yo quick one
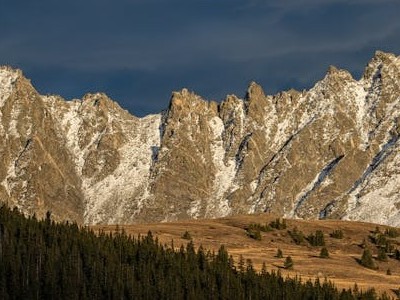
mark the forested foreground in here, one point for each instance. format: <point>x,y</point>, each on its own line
<point>47,260</point>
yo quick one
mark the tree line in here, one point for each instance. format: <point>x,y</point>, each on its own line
<point>41,259</point>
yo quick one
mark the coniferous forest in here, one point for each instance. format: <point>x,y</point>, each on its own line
<point>48,260</point>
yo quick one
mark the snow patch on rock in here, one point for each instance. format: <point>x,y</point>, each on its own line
<point>377,199</point>
<point>8,77</point>
<point>131,177</point>
<point>225,170</point>
<point>379,205</point>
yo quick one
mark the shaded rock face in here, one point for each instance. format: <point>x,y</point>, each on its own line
<point>330,152</point>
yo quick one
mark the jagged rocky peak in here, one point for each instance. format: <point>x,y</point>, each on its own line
<point>185,100</point>
<point>338,74</point>
<point>384,56</point>
<point>96,99</point>
<point>185,104</point>
<point>102,102</point>
<point>8,75</point>
<point>329,152</point>
<point>8,80</point>
<point>381,62</point>
<point>254,91</point>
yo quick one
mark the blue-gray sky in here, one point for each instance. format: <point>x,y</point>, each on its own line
<point>139,51</point>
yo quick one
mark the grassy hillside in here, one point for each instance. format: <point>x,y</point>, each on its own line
<point>342,267</point>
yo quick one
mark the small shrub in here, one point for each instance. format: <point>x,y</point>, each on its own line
<point>389,248</point>
<point>324,253</point>
<point>288,263</point>
<point>382,256</point>
<point>337,234</point>
<point>381,240</point>
<point>297,236</point>
<point>278,224</point>
<point>392,232</point>
<point>279,253</point>
<point>187,236</point>
<point>254,234</point>
<point>257,226</point>
<point>316,239</point>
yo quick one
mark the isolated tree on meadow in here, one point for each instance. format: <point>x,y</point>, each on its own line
<point>288,263</point>
<point>324,253</point>
<point>279,253</point>
<point>367,260</point>
<point>316,239</point>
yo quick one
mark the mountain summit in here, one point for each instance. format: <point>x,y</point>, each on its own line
<point>330,152</point>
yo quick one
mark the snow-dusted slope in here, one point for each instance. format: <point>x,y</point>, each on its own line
<point>332,151</point>
<point>112,152</point>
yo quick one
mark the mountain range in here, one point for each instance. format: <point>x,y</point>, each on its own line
<point>332,151</point>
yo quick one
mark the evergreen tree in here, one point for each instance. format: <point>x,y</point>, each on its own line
<point>337,234</point>
<point>278,224</point>
<point>382,256</point>
<point>264,269</point>
<point>254,233</point>
<point>279,253</point>
<point>187,235</point>
<point>297,236</point>
<point>288,263</point>
<point>367,260</point>
<point>316,239</point>
<point>324,253</point>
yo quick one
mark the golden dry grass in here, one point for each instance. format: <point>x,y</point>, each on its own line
<point>342,266</point>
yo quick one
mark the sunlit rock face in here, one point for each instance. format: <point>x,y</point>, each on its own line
<point>329,152</point>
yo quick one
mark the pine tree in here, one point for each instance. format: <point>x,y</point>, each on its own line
<point>337,234</point>
<point>264,269</point>
<point>288,263</point>
<point>254,233</point>
<point>187,236</point>
<point>382,256</point>
<point>324,253</point>
<point>367,260</point>
<point>278,224</point>
<point>279,253</point>
<point>241,264</point>
<point>317,239</point>
<point>297,236</point>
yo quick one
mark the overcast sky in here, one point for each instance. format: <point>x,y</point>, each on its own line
<point>139,51</point>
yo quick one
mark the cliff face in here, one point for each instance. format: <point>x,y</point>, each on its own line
<point>35,172</point>
<point>330,152</point>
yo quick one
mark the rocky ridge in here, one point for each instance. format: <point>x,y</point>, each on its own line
<point>329,152</point>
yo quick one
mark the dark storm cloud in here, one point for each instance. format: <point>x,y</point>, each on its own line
<point>139,51</point>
